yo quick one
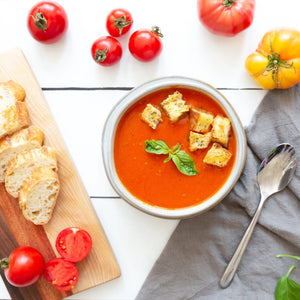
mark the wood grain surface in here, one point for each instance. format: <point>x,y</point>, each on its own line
<point>73,207</point>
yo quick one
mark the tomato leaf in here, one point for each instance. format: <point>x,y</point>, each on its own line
<point>157,147</point>
<point>287,289</point>
<point>181,159</point>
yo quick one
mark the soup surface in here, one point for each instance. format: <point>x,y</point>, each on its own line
<point>146,176</point>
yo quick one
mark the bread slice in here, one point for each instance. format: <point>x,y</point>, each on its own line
<point>22,165</point>
<point>37,197</point>
<point>13,118</point>
<point>11,91</point>
<point>13,111</point>
<point>23,140</point>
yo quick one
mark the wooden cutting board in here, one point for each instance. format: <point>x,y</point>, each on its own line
<point>73,207</point>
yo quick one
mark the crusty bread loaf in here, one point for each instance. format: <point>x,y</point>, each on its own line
<point>38,195</point>
<point>22,140</point>
<point>13,111</point>
<point>22,165</point>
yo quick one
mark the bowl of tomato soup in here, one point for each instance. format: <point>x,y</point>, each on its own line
<point>173,147</point>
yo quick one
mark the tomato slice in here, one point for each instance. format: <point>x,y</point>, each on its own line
<point>73,244</point>
<point>61,273</point>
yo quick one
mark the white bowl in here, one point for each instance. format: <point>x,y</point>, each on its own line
<point>148,88</point>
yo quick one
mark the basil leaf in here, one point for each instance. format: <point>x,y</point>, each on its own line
<point>287,289</point>
<point>157,147</point>
<point>184,163</point>
<point>176,148</point>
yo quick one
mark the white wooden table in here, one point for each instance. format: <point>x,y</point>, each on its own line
<point>81,93</point>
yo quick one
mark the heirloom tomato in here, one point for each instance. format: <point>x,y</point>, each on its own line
<point>276,61</point>
<point>118,22</point>
<point>47,22</point>
<point>73,244</point>
<point>106,51</point>
<point>145,44</point>
<point>23,267</point>
<point>226,17</point>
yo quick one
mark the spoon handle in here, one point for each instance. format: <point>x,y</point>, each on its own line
<point>235,260</point>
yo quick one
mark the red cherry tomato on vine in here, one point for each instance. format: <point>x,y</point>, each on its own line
<point>47,22</point>
<point>73,244</point>
<point>118,22</point>
<point>23,267</point>
<point>61,273</point>
<point>145,44</point>
<point>226,17</point>
<point>106,51</point>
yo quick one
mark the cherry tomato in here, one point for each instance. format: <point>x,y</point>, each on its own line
<point>73,244</point>
<point>47,22</point>
<point>118,22</point>
<point>106,51</point>
<point>23,267</point>
<point>145,45</point>
<point>226,17</point>
<point>61,273</point>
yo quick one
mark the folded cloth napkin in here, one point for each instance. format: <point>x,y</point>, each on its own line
<point>200,248</point>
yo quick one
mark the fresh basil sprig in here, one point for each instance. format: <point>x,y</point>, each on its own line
<point>287,289</point>
<point>181,159</point>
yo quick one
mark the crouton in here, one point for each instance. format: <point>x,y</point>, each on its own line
<point>175,107</point>
<point>217,156</point>
<point>199,141</point>
<point>220,130</point>
<point>200,120</point>
<point>151,115</point>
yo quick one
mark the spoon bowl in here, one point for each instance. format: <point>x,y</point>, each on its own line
<point>274,174</point>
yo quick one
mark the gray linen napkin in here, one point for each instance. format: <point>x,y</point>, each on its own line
<point>198,251</point>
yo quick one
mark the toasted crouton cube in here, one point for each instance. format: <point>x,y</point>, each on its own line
<point>175,107</point>
<point>200,120</point>
<point>199,141</point>
<point>217,156</point>
<point>151,115</point>
<point>220,130</point>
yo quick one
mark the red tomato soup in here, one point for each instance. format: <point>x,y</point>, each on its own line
<point>146,176</point>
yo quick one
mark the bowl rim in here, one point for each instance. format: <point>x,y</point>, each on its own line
<point>135,95</point>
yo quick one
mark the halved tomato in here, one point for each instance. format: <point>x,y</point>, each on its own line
<point>61,273</point>
<point>73,244</point>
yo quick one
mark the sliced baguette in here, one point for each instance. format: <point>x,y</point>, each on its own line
<point>11,91</point>
<point>38,195</point>
<point>23,140</point>
<point>22,165</point>
<point>13,117</point>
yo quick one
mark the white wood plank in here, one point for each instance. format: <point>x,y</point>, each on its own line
<point>189,49</point>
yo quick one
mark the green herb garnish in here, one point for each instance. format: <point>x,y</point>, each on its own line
<point>181,159</point>
<point>287,289</point>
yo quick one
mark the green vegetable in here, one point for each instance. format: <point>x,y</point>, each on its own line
<point>287,289</point>
<point>181,159</point>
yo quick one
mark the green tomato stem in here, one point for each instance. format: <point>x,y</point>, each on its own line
<point>40,22</point>
<point>228,3</point>
<point>121,23</point>
<point>4,262</point>
<point>100,55</point>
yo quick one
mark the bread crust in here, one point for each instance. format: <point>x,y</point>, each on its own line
<point>12,145</point>
<point>39,176</point>
<point>13,88</point>
<point>43,153</point>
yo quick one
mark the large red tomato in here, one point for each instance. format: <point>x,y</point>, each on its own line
<point>226,17</point>
<point>23,267</point>
<point>47,22</point>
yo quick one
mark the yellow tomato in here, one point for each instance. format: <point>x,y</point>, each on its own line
<point>276,61</point>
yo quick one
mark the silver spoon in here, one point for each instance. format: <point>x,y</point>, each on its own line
<point>274,174</point>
